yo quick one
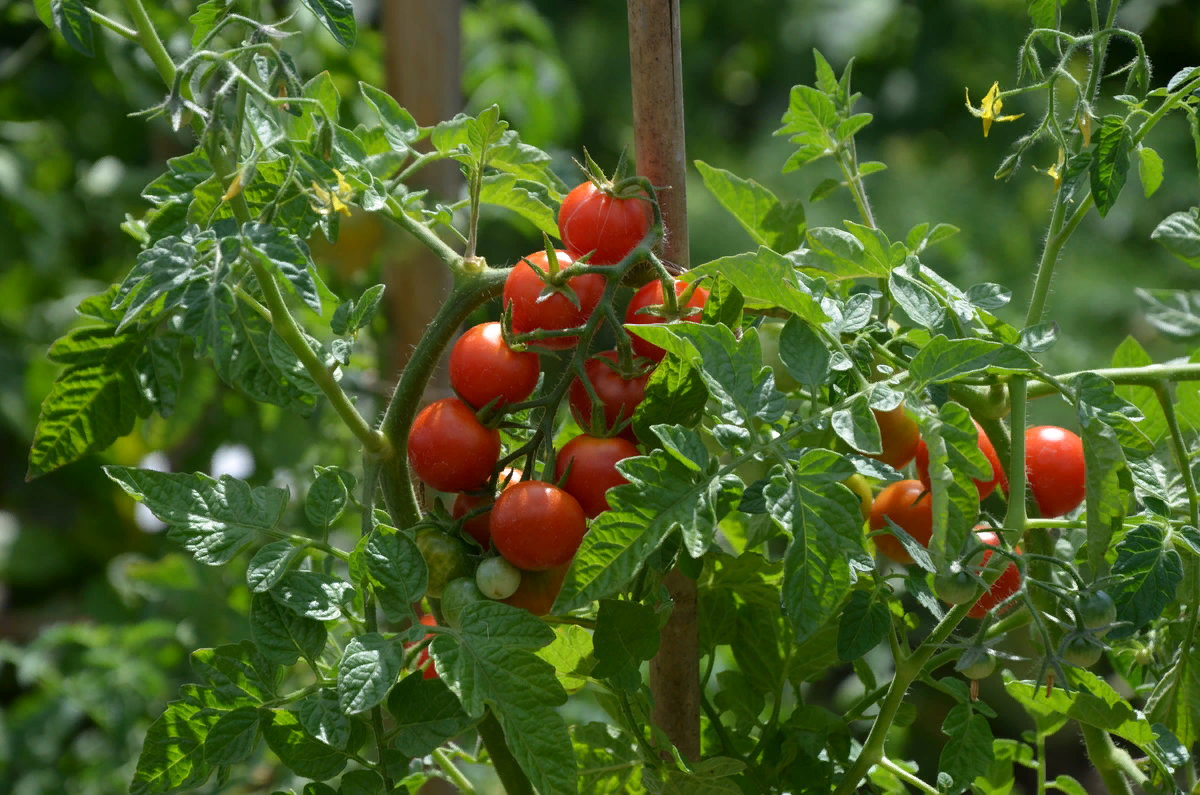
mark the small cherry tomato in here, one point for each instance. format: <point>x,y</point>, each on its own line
<point>537,526</point>
<point>449,449</point>
<point>1096,611</point>
<point>900,436</point>
<point>535,306</point>
<point>445,557</point>
<point>1081,649</point>
<point>1055,469</point>
<point>539,589</point>
<point>591,462</point>
<point>955,586</point>
<point>985,486</point>
<point>457,594</point>
<point>640,311</point>
<point>619,396</point>
<point>977,662</point>
<point>1007,584</point>
<point>908,504</point>
<point>593,220</point>
<point>477,527</point>
<point>424,662</point>
<point>497,578</point>
<point>483,368</point>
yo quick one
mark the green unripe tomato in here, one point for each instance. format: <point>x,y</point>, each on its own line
<point>457,594</point>
<point>1081,649</point>
<point>445,557</point>
<point>768,340</point>
<point>955,585</point>
<point>497,578</point>
<point>862,489</point>
<point>1096,611</point>
<point>977,662</point>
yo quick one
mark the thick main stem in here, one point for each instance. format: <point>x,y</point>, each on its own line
<point>658,130</point>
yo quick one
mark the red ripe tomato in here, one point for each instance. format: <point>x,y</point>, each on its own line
<point>483,368</point>
<point>593,470</point>
<point>478,527</point>
<point>449,449</point>
<point>423,662</point>
<point>532,311</point>
<point>899,502</point>
<point>539,589</point>
<point>900,436</point>
<point>1055,469</point>
<point>537,526</point>
<point>593,220</point>
<point>985,487</point>
<point>652,295</point>
<point>1007,584</point>
<point>619,396</point>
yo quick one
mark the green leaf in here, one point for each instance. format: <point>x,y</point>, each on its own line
<point>917,300</point>
<point>338,17</point>
<point>361,782</point>
<point>809,121</point>
<point>765,279</point>
<point>1110,162</point>
<point>289,255</point>
<point>281,635</point>
<point>528,199</point>
<point>351,315</point>
<point>1130,353</point>
<point>1173,312</point>
<point>71,19</point>
<point>769,221</point>
<point>1150,170</point>
<point>91,405</point>
<point>427,714</point>
<point>863,624</point>
<point>824,521</point>
<point>855,424</point>
<point>399,126</point>
<point>398,573</point>
<point>1175,701</point>
<point>270,563</point>
<point>205,18</point>
<point>328,495</point>
<point>233,737</point>
<point>1179,233</point>
<point>237,673</point>
<point>313,594</point>
<point>370,665</point>
<point>322,718</point>
<point>303,754</point>
<point>571,656</point>
<point>1148,571</point>
<point>1044,13</point>
<point>161,279</point>
<point>608,759</point>
<point>489,662</point>
<point>944,360</point>
<point>172,756</point>
<point>626,635</point>
<point>675,393</point>
<point>968,752</point>
<point>803,352</point>
<point>841,254</point>
<point>1105,506</point>
<point>215,519</point>
<point>662,495</point>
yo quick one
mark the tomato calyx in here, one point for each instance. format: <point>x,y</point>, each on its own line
<point>1096,612</point>
<point>956,585</point>
<point>977,662</point>
<point>675,307</point>
<point>1081,649</point>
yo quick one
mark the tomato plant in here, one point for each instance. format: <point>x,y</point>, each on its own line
<point>586,467</point>
<point>449,449</point>
<point>908,505</point>
<point>537,526</point>
<point>484,369</point>
<point>1055,468</point>
<point>647,304</point>
<point>619,394</point>
<point>593,220</point>
<point>542,302</point>
<point>734,566</point>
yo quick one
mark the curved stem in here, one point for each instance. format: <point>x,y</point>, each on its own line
<point>465,787</point>
<point>1148,375</point>
<point>510,773</point>
<point>112,24</point>
<point>1110,762</point>
<point>151,43</point>
<point>906,777</point>
<point>473,288</point>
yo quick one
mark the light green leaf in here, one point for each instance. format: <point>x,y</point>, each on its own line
<point>769,221</point>
<point>1150,170</point>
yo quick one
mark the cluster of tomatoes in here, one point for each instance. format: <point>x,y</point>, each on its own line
<point>1054,467</point>
<point>529,528</point>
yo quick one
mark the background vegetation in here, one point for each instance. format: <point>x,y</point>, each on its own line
<point>81,674</point>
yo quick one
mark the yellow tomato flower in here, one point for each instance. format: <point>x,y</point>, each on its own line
<point>1055,171</point>
<point>989,108</point>
<point>327,201</point>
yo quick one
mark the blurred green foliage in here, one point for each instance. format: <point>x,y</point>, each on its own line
<point>74,702</point>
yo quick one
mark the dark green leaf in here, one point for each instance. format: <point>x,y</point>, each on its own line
<point>172,756</point>
<point>313,594</point>
<point>863,624</point>
<point>968,752</point>
<point>289,255</point>
<point>233,737</point>
<point>426,714</point>
<point>305,755</point>
<point>322,718</point>
<point>327,496</point>
<point>626,635</point>
<point>398,573</point>
<point>70,18</point>
<point>674,394</point>
<point>270,563</point>
<point>237,673</point>
<point>1148,571</point>
<point>338,17</point>
<point>1110,162</point>
<point>281,635</point>
<point>370,665</point>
